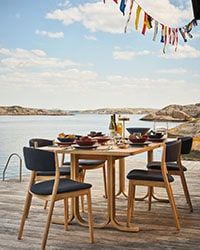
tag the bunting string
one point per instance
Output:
(169, 35)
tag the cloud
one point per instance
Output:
(60, 81)
(183, 52)
(23, 59)
(35, 68)
(172, 71)
(93, 38)
(106, 17)
(90, 15)
(49, 34)
(128, 55)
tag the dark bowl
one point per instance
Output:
(137, 140)
(95, 134)
(66, 139)
(86, 142)
(137, 130)
(156, 136)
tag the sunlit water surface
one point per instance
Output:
(15, 132)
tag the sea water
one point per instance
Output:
(15, 132)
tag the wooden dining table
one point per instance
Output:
(110, 155)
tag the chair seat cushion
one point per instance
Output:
(87, 162)
(170, 166)
(65, 185)
(139, 174)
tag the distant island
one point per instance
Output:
(103, 111)
(18, 110)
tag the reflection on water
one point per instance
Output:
(15, 131)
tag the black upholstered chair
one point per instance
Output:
(176, 167)
(51, 190)
(64, 171)
(151, 179)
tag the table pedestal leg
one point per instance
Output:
(111, 198)
(121, 178)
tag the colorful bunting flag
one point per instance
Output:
(162, 34)
(168, 34)
(137, 16)
(122, 6)
(129, 15)
(144, 24)
(155, 30)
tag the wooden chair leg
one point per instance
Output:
(66, 212)
(90, 219)
(45, 205)
(82, 196)
(25, 214)
(105, 183)
(173, 205)
(150, 197)
(186, 191)
(46, 231)
(131, 198)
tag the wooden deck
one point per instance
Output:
(157, 230)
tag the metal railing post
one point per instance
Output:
(20, 166)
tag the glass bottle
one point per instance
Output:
(115, 124)
(112, 127)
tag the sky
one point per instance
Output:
(60, 54)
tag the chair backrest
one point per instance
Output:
(173, 151)
(186, 144)
(39, 160)
(38, 142)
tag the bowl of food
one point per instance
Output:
(137, 139)
(95, 134)
(137, 130)
(155, 135)
(86, 141)
(62, 137)
(102, 139)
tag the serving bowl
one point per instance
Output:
(95, 134)
(155, 135)
(137, 139)
(66, 139)
(137, 130)
(86, 143)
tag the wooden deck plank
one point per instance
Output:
(157, 230)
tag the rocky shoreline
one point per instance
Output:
(175, 113)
